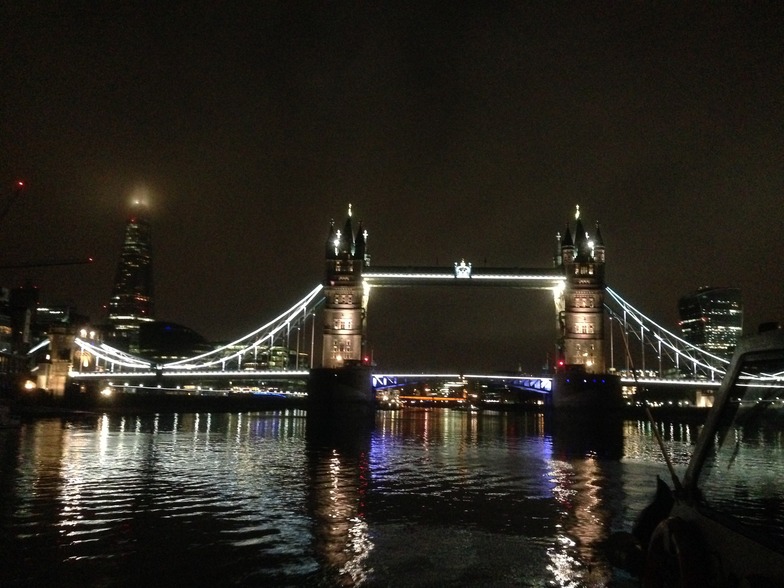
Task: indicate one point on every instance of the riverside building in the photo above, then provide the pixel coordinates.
(712, 319)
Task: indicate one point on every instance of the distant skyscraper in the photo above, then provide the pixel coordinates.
(712, 319)
(132, 297)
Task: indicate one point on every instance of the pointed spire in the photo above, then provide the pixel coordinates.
(599, 240)
(347, 239)
(580, 238)
(567, 238)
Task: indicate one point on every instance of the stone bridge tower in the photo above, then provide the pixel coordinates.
(343, 343)
(581, 304)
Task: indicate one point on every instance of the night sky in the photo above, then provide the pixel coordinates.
(456, 130)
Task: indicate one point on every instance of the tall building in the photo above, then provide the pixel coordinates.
(131, 303)
(344, 291)
(580, 304)
(712, 319)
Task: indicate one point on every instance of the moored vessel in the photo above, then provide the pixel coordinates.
(722, 523)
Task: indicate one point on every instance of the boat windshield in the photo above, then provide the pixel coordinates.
(744, 467)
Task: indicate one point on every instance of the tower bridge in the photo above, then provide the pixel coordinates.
(576, 279)
(595, 330)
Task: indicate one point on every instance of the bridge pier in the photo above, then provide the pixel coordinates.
(334, 390)
(583, 391)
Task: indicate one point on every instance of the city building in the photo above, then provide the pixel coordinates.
(131, 303)
(36, 341)
(712, 319)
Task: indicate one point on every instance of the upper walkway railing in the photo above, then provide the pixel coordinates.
(464, 274)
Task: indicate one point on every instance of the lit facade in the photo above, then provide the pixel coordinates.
(712, 319)
(345, 296)
(132, 296)
(580, 303)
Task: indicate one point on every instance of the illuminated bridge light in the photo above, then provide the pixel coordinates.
(226, 361)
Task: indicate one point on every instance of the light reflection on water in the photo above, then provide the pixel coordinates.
(422, 497)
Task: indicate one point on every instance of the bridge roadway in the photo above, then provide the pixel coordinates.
(167, 379)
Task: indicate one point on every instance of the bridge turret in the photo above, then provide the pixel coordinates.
(344, 309)
(582, 319)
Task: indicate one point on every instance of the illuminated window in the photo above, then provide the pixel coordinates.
(342, 323)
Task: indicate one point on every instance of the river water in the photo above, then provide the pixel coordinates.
(417, 497)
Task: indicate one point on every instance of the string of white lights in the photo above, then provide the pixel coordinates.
(112, 355)
(280, 321)
(695, 355)
(116, 356)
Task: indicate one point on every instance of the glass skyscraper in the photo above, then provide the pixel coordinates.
(712, 319)
(132, 296)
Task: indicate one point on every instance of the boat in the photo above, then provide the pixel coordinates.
(723, 523)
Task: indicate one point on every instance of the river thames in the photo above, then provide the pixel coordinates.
(419, 497)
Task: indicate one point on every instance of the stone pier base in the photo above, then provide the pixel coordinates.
(341, 388)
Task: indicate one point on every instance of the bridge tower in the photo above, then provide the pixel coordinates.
(344, 338)
(580, 305)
